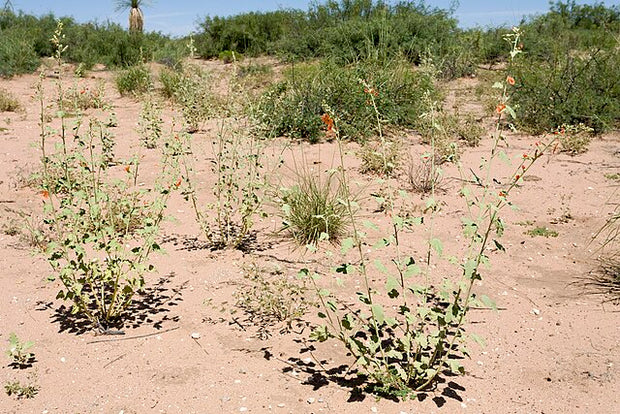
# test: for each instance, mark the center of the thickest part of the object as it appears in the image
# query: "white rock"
(195, 335)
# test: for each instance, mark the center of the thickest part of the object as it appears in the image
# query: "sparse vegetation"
(20, 390)
(394, 283)
(134, 81)
(542, 231)
(18, 352)
(8, 103)
(269, 299)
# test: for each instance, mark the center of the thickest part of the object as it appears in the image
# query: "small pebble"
(310, 400)
(243, 409)
(63, 359)
(374, 409)
(281, 405)
(195, 335)
(535, 311)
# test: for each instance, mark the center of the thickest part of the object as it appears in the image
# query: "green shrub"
(293, 106)
(17, 54)
(568, 89)
(229, 56)
(135, 80)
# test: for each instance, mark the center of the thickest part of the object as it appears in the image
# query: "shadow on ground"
(320, 374)
(151, 307)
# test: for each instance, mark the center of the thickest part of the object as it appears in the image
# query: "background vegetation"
(567, 76)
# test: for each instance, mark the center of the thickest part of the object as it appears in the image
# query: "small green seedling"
(18, 352)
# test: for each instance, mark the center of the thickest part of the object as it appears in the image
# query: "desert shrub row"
(25, 38)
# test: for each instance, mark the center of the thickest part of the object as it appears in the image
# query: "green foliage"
(190, 88)
(150, 122)
(293, 106)
(229, 56)
(541, 231)
(25, 39)
(440, 129)
(102, 229)
(239, 181)
(18, 352)
(313, 210)
(344, 31)
(8, 102)
(135, 80)
(404, 332)
(17, 54)
(568, 89)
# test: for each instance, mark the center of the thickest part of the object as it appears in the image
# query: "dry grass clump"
(8, 102)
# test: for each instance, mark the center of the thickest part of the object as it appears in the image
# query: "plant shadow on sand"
(320, 375)
(151, 307)
(191, 243)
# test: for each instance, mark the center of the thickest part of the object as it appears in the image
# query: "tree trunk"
(136, 20)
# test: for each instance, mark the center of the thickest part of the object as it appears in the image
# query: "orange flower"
(525, 156)
(500, 108)
(327, 120)
(178, 183)
(502, 194)
(127, 168)
(45, 194)
(517, 177)
(371, 91)
(510, 80)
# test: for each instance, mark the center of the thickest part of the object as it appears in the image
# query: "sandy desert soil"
(551, 348)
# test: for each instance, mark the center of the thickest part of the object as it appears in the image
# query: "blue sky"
(179, 17)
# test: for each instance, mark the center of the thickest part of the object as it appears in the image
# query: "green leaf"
(392, 286)
(323, 292)
(370, 225)
(511, 112)
(437, 245)
(478, 339)
(488, 302)
(320, 334)
(469, 267)
(380, 266)
(377, 311)
(498, 85)
(346, 245)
